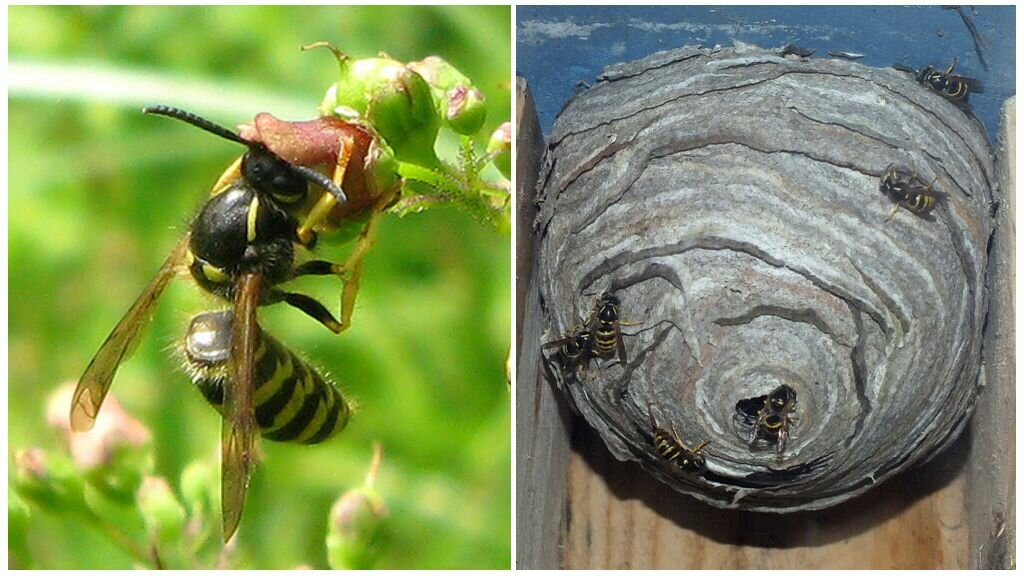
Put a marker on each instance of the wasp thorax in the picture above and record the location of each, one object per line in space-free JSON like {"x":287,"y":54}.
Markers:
{"x":239,"y":230}
{"x":731,"y":201}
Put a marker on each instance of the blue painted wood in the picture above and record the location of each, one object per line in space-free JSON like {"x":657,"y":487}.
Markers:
{"x":558,"y":46}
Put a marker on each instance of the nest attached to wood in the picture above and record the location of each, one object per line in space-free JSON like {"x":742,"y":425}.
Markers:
{"x":730,"y":199}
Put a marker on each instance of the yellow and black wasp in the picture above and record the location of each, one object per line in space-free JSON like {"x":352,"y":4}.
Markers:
{"x":242,"y":246}
{"x":294,"y":402}
{"x":671,"y":447}
{"x":906,"y":189}
{"x":769,"y":416}
{"x":954,"y":88}
{"x":604,"y":324}
{"x":573,"y":351}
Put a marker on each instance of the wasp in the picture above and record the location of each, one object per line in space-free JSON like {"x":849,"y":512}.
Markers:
{"x":242,"y":246}
{"x":574,"y":350}
{"x":293,"y":401}
{"x":670,"y":446}
{"x":956,"y":89}
{"x":604,"y":324}
{"x":769,"y":416}
{"x":906,"y":189}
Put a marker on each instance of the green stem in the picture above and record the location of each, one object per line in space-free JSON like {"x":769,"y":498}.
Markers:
{"x":118,"y":537}
{"x":426,"y":175}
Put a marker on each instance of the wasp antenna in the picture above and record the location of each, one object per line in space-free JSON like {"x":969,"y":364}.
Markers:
{"x":197,"y":121}
{"x":951,"y":66}
{"x":320,"y":180}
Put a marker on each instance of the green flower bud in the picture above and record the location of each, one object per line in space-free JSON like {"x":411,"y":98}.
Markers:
{"x":356,"y":525}
{"x":354,"y":531}
{"x":458,"y":102}
{"x":466,"y":109}
{"x":500,"y":145}
{"x":200,"y":486}
{"x":51,"y":482}
{"x":382,"y":166}
{"x":163,"y":515}
{"x":393,"y":99}
{"x":115,"y":454}
{"x":17,"y":532}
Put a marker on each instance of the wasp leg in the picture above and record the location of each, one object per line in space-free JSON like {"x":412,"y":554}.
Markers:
{"x":327,"y":202}
{"x":315,"y":268}
{"x":348,"y":294}
{"x":754,"y":429}
{"x":893,"y":213}
{"x":780,"y":443}
{"x":232,"y":174}
{"x":310,"y":306}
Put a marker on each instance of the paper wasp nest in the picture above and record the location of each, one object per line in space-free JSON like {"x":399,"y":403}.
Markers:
{"x":730,"y":199}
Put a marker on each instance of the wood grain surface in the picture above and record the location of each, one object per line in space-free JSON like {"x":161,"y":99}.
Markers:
{"x":621,"y":518}
{"x":542,"y":431}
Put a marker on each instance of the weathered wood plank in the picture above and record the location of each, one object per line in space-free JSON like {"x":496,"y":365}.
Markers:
{"x":542,"y":435}
{"x":529,"y":151}
{"x":622,"y":518}
{"x":992,"y":459}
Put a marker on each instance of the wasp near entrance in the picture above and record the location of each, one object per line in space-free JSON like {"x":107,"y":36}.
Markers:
{"x":906,"y":189}
{"x":242,"y":246}
{"x":769,"y":416}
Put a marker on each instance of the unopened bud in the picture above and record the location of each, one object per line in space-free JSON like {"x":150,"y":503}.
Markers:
{"x":392,"y":98}
{"x":500,"y":144}
{"x":163,"y":515}
{"x":115,"y":454}
{"x":50,"y":481}
{"x":459,"y":102}
{"x":355,"y":528}
{"x":199,"y":488}
{"x":17,"y":532}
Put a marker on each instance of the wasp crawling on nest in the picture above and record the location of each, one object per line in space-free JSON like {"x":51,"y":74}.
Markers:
{"x":769,"y":417}
{"x":595,"y":338}
{"x":572,"y":351}
{"x":954,"y":88}
{"x":672,"y":448}
{"x":906,"y":189}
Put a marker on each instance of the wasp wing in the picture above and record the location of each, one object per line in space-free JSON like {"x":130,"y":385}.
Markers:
{"x":973,"y":84}
{"x":558,"y":343}
{"x":620,"y":344}
{"x":95,"y":382}
{"x":238,"y":430}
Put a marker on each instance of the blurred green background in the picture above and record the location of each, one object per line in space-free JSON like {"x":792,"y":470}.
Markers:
{"x":99,"y":194}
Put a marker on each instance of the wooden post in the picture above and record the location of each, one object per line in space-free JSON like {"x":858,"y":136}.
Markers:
{"x":542,"y":434}
{"x":991,"y":502}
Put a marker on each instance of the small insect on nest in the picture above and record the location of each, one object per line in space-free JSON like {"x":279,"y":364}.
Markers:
{"x":793,"y":339}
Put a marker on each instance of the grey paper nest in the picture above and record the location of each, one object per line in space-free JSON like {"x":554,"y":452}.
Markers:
{"x":730,"y":199}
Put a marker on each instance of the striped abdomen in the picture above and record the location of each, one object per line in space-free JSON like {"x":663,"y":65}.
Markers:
{"x":606,"y":328}
{"x":294,"y":402}
{"x":671,"y":448}
{"x":666,"y":445}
